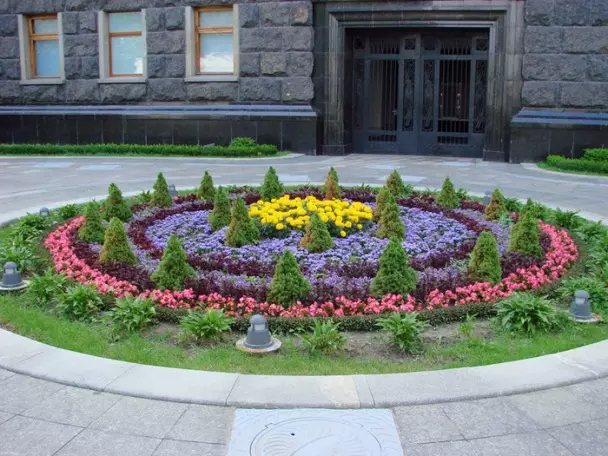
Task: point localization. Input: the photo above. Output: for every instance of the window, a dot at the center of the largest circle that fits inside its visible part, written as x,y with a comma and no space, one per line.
41,49
126,44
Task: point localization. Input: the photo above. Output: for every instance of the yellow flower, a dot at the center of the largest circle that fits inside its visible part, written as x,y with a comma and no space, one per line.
359,226
348,224
343,233
279,226
324,218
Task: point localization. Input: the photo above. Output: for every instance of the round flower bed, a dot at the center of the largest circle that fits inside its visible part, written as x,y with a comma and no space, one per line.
237,279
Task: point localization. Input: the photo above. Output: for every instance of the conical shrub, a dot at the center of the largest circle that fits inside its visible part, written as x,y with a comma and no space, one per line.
116,206
161,196
116,248
242,230
206,190
317,238
381,200
390,225
395,275
220,217
525,236
396,186
272,187
332,185
485,260
447,198
288,284
173,268
497,207
92,230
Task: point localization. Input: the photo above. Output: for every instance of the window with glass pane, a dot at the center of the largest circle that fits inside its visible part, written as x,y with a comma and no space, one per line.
215,40
44,47
126,44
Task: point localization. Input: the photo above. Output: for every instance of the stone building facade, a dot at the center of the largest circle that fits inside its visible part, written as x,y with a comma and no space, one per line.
506,80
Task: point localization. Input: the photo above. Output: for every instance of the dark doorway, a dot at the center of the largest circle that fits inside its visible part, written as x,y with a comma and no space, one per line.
418,92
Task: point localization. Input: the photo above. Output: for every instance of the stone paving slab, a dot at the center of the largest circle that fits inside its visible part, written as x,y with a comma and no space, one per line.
99,443
28,437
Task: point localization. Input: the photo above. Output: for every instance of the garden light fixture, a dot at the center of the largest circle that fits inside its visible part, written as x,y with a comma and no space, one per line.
172,191
581,309
258,338
487,198
44,212
11,278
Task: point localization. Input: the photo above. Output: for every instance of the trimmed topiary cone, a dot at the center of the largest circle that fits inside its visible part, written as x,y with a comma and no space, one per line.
395,275
173,268
525,236
242,230
447,197
116,206
206,190
92,230
161,196
485,260
272,187
497,207
317,238
220,217
288,284
116,248
395,184
381,200
332,185
390,225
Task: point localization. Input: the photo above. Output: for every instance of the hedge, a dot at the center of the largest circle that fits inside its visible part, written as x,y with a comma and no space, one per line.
265,150
570,164
600,155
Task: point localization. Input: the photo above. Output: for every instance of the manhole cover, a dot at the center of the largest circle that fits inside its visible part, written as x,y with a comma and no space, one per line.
314,433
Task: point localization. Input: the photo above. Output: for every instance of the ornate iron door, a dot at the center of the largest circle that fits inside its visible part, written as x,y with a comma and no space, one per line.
420,94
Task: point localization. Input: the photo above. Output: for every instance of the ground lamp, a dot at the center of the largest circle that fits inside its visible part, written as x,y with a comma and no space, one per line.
11,278
44,212
172,191
258,338
487,199
581,309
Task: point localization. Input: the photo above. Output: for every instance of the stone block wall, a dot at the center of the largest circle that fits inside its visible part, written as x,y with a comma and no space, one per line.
275,54
566,54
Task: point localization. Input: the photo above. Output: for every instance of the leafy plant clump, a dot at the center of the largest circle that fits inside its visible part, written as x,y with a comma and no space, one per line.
80,302
272,187
131,314
206,190
568,220
527,314
525,236
116,206
220,217
325,338
496,208
332,185
116,248
161,196
405,330
288,284
241,230
210,325
447,197
92,230
395,275
396,186
46,287
173,269
68,211
390,225
596,287
317,238
485,260
381,199
243,142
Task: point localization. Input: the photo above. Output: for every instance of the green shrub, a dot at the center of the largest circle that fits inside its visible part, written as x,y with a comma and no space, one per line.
404,329
92,230
496,208
206,190
525,236
288,284
116,206
210,325
22,254
68,211
390,225
220,217
131,314
161,196
116,248
80,302
381,200
317,238
572,164
395,275
33,222
513,205
243,142
485,260
592,231
241,230
332,185
463,194
144,197
527,314
536,210
599,155
568,220
396,186
46,287
597,289
447,197
272,187
326,338
173,268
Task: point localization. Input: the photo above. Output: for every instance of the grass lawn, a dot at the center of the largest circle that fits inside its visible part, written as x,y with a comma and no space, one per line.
546,166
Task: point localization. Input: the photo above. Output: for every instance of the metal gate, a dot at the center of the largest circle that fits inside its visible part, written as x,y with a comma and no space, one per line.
419,93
